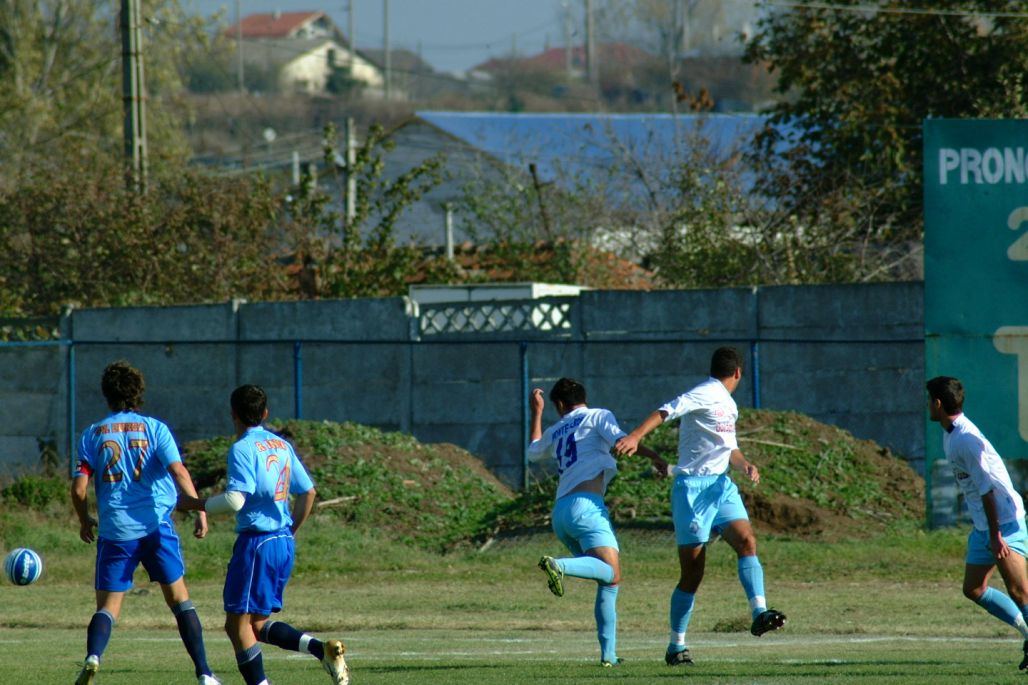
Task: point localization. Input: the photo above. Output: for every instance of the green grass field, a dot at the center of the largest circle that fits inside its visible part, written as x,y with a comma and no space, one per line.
886,610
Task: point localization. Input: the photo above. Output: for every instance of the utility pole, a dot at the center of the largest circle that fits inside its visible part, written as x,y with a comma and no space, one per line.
385,50
685,12
133,94
590,45
351,176
239,46
568,48
351,36
448,209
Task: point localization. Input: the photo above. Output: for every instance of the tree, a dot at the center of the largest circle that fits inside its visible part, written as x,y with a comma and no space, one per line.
358,256
60,78
843,148
73,237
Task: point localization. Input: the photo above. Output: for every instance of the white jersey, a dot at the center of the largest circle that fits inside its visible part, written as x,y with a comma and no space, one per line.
706,433
978,469
580,443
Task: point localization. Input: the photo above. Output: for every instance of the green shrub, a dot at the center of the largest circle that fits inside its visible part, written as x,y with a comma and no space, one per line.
36,492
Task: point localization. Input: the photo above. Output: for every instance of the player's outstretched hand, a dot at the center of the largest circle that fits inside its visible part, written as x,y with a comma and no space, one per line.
626,446
86,533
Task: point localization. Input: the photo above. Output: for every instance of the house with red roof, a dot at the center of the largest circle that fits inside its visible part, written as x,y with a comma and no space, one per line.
302,50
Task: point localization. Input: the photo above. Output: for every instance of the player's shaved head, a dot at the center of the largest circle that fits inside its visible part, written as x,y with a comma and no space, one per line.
949,391
122,386
724,362
568,392
249,402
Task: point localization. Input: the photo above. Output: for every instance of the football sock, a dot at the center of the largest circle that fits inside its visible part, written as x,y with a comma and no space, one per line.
1021,624
251,665
287,637
606,614
586,567
681,610
999,605
751,575
191,631
98,634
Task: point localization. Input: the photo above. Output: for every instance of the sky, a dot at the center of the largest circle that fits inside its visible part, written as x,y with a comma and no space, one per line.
454,35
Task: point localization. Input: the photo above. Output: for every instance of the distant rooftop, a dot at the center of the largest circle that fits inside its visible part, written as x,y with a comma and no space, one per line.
568,144
277,24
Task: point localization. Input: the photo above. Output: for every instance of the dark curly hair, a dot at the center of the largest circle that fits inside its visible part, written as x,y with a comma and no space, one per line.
248,403
123,386
568,391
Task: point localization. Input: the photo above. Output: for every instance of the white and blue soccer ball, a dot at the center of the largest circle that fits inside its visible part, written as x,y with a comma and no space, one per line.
23,566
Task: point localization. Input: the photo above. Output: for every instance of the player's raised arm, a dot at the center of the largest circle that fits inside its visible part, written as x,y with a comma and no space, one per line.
536,403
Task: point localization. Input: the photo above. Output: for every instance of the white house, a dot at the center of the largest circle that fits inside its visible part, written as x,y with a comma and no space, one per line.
302,49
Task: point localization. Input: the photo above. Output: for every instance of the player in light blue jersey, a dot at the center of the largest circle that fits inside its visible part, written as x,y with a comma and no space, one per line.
263,471
135,466
704,500
580,443
998,538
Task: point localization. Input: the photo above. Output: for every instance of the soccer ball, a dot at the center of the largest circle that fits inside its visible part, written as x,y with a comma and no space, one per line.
23,566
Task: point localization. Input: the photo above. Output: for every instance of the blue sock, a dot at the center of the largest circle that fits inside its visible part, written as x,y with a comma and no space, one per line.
98,634
681,611
586,567
751,575
999,605
251,665
191,631
606,614
287,637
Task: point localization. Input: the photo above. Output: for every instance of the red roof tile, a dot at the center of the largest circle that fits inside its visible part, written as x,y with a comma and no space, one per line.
272,24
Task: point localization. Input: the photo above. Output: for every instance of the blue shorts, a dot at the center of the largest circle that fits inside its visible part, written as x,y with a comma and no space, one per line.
258,572
581,522
160,553
979,553
702,503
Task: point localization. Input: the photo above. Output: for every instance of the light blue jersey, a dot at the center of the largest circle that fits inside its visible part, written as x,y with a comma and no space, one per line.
128,455
265,468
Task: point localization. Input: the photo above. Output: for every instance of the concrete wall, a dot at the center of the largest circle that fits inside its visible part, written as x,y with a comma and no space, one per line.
847,355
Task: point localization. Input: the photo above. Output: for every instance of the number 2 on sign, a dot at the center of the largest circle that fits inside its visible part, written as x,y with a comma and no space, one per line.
567,453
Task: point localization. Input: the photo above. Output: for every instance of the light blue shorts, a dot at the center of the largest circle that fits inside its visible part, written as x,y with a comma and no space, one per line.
159,552
979,553
581,522
702,503
258,572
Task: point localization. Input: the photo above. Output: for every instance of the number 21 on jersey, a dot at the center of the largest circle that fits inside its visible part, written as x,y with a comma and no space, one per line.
567,452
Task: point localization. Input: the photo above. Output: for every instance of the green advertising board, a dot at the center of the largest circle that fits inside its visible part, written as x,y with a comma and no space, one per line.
976,274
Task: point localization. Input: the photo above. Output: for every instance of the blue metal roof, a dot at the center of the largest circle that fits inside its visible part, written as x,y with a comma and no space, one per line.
564,145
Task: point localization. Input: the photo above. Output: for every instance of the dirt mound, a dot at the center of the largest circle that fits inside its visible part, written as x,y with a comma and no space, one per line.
817,480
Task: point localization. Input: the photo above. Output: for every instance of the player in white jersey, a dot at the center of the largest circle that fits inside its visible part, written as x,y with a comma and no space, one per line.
998,537
704,498
135,466
580,442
